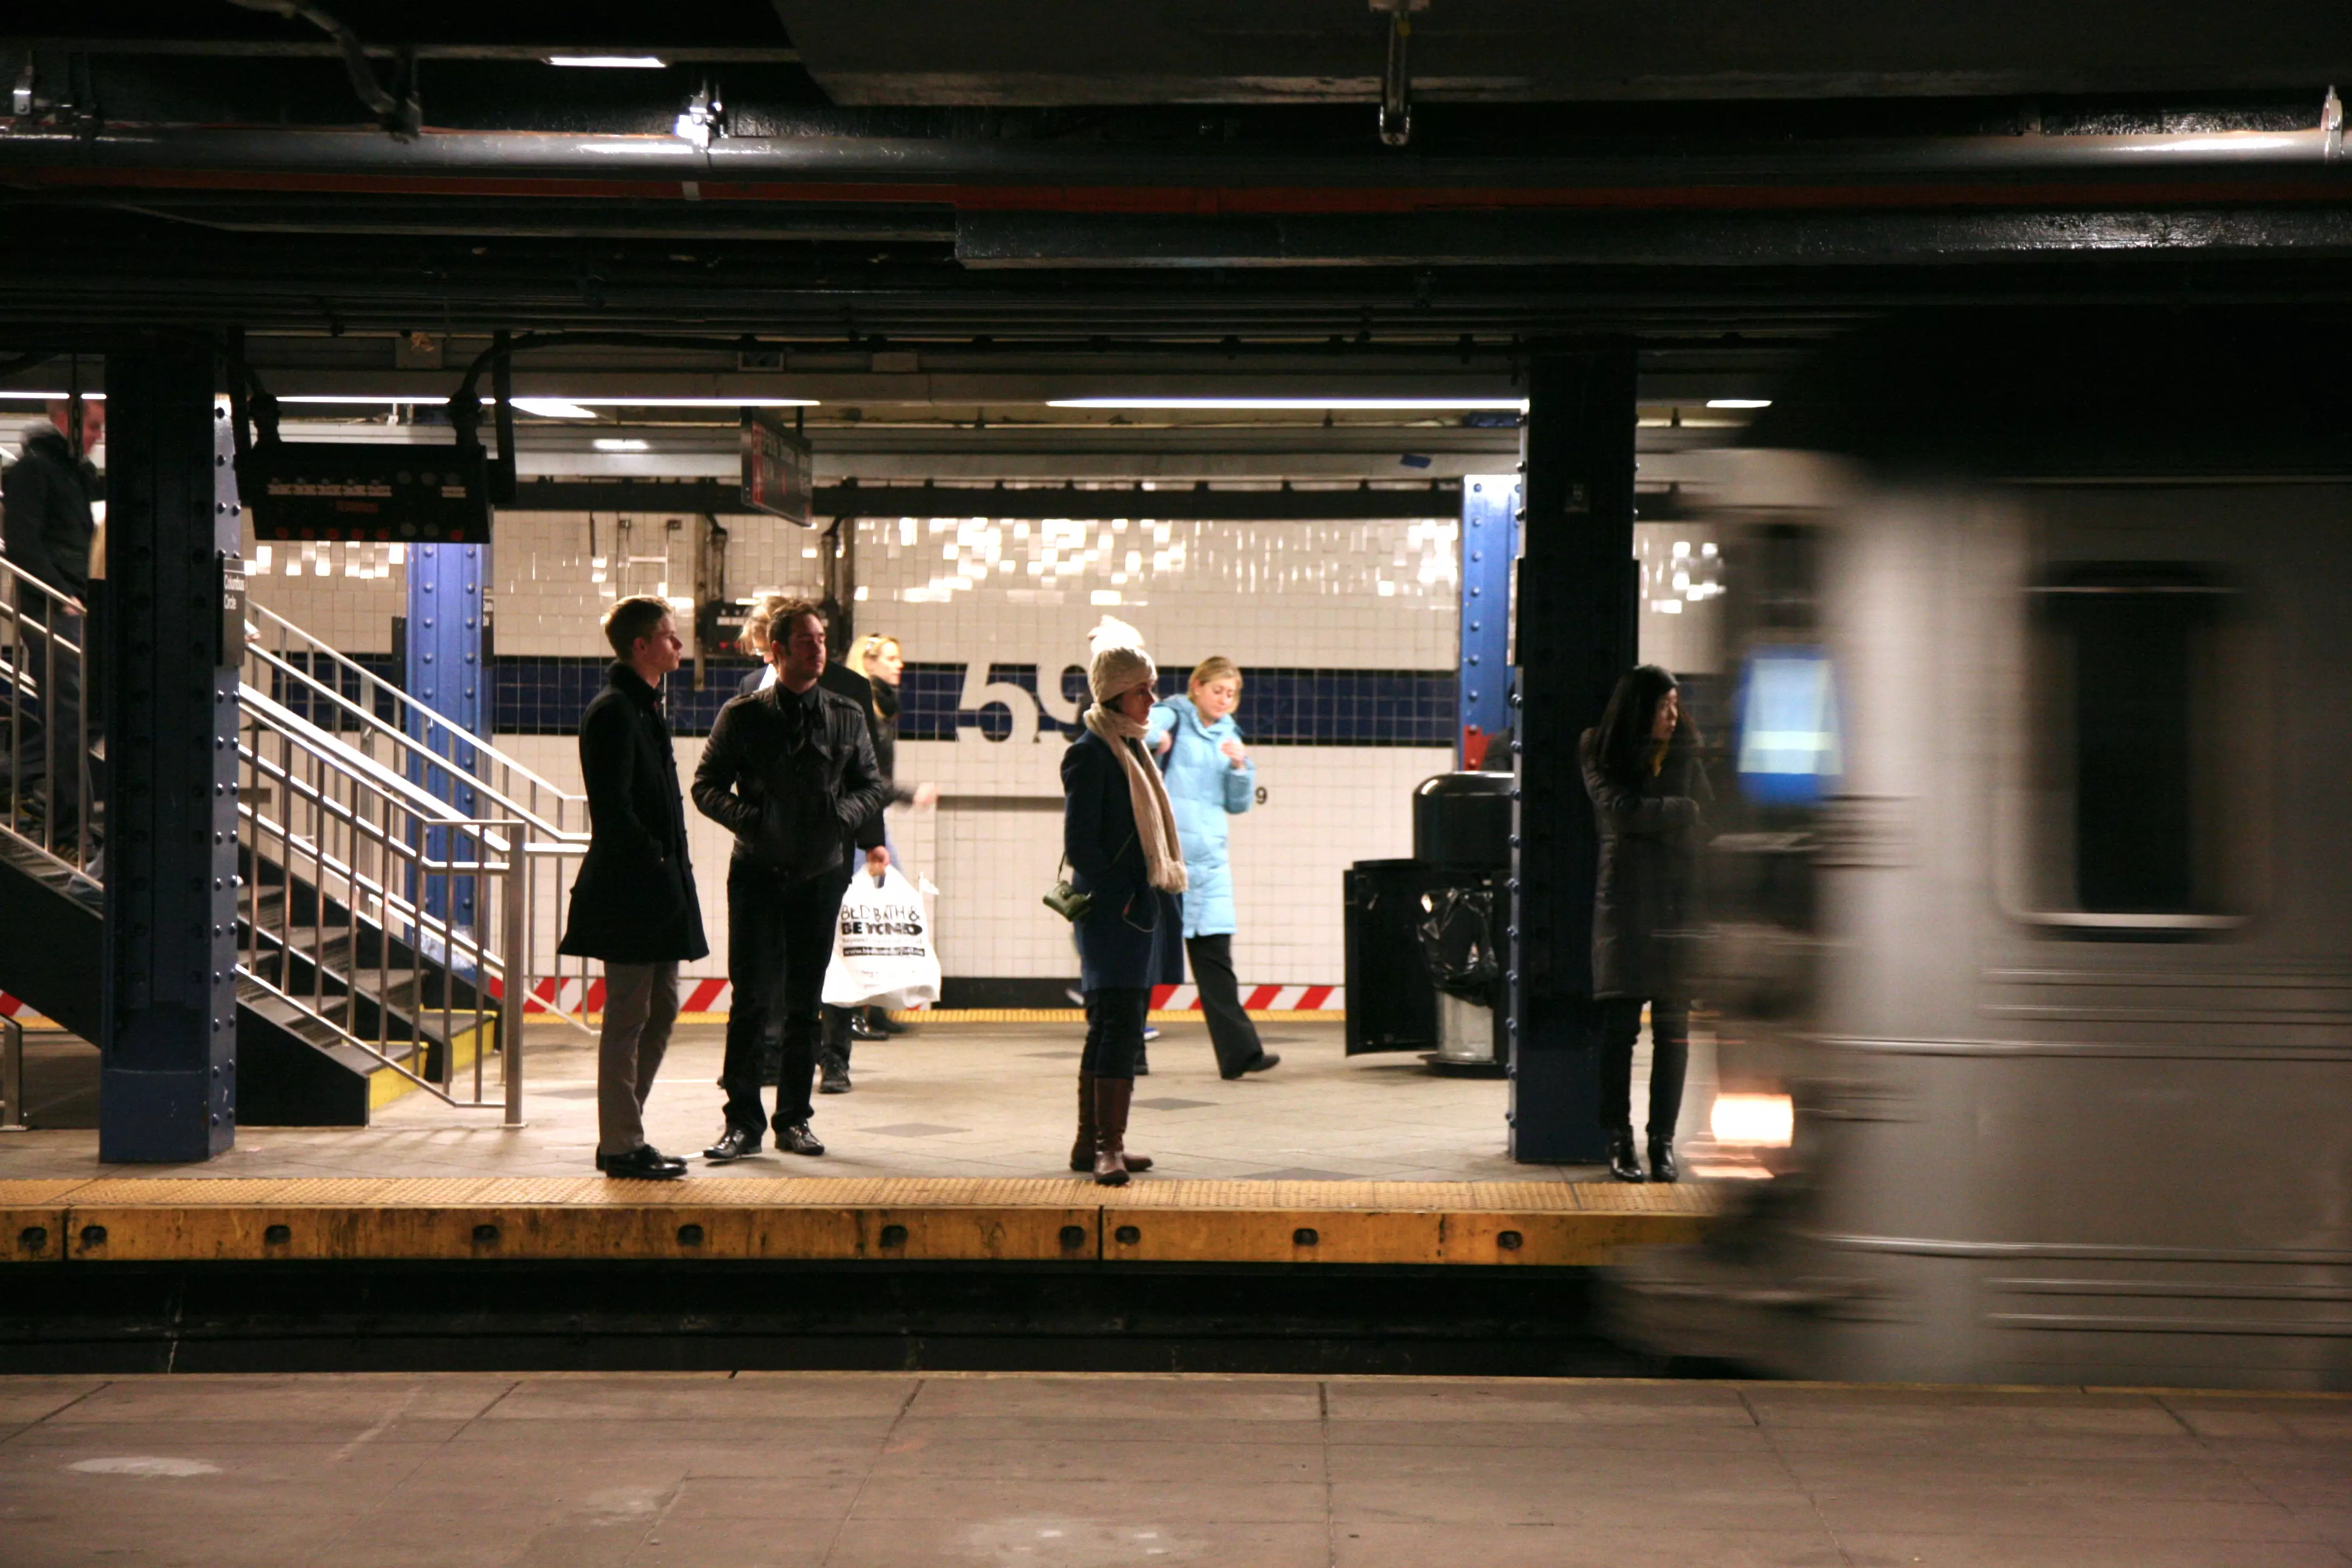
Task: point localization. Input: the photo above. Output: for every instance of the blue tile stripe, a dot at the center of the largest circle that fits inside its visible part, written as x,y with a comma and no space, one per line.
1280,706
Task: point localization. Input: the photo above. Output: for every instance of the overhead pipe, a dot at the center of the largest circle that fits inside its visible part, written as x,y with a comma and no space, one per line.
1020,176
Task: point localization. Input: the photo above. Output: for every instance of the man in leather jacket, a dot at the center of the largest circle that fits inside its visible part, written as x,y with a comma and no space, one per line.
790,772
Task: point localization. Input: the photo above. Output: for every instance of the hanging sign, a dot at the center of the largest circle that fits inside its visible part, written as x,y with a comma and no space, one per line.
361,490
776,470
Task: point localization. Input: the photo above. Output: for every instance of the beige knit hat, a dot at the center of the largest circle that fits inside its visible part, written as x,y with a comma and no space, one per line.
1120,669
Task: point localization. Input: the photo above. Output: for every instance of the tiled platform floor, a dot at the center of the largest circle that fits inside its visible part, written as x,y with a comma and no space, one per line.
879,1471
964,1099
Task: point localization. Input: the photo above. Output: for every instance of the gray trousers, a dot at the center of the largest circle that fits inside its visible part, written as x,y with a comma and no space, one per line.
640,1005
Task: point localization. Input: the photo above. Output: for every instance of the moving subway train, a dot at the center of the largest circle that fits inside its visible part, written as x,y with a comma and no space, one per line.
2035,894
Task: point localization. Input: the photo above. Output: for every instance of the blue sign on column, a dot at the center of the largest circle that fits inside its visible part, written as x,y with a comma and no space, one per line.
446,674
1490,540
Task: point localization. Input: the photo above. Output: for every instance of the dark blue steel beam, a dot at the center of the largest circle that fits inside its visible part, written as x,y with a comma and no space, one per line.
1490,536
168,1017
446,673
1575,610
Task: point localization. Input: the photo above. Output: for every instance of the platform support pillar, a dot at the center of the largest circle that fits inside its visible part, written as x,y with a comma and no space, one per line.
447,673
167,1086
1575,608
1490,540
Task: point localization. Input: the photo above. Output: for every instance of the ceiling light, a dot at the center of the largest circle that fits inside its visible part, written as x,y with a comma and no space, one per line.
424,400
609,62
1314,404
1739,403
553,408
621,444
59,396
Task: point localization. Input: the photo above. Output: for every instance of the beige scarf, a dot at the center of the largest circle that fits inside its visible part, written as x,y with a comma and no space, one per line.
1155,819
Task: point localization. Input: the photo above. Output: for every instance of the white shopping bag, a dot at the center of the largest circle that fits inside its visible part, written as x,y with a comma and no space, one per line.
882,953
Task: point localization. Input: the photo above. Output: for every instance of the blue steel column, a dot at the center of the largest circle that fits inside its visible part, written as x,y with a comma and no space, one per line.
167,1083
1577,599
1490,534
446,674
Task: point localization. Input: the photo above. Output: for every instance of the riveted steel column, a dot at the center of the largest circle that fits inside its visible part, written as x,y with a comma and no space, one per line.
447,585
167,1086
1575,627
1490,535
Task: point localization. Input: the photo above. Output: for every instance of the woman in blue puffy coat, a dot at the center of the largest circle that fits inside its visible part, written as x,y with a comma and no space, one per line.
1210,777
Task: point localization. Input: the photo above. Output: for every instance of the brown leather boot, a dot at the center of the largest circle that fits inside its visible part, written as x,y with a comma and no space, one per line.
1111,1098
1081,1153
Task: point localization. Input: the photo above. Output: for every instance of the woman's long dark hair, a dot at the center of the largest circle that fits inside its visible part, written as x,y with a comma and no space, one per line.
1621,742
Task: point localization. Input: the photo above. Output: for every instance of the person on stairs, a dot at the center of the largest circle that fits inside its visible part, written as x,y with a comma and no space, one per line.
1649,790
1120,834
634,903
1210,778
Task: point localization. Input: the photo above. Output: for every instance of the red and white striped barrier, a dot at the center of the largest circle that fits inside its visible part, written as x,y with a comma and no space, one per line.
711,998
11,1008
1256,998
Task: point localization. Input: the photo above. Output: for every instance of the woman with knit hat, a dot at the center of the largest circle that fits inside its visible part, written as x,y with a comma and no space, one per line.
1120,834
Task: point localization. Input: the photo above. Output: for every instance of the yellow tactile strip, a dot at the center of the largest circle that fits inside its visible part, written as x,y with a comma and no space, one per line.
242,1218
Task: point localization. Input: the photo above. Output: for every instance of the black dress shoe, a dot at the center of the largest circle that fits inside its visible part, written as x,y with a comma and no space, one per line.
1623,1164
1661,1160
735,1144
643,1164
862,1028
835,1079
1265,1060
797,1139
883,1023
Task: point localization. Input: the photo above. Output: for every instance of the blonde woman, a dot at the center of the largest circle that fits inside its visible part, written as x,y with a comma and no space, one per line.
1210,778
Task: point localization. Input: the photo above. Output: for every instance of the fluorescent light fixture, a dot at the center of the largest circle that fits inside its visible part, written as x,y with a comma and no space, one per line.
1739,403
59,396
1375,405
553,408
421,401
621,444
609,62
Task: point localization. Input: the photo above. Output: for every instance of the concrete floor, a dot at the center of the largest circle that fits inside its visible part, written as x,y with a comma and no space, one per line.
946,1100
885,1469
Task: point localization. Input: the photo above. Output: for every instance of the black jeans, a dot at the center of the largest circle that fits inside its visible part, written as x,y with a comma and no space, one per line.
1231,1033
779,941
1115,1018
1620,1022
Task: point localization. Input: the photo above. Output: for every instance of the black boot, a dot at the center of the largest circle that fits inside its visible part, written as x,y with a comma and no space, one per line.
1662,1159
1623,1164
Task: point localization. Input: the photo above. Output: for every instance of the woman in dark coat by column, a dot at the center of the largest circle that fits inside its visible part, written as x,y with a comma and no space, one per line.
1642,770
1120,834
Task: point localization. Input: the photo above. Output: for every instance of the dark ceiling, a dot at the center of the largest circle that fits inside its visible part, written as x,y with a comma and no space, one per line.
1101,172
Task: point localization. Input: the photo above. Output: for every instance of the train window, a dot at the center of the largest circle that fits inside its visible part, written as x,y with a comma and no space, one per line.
2137,748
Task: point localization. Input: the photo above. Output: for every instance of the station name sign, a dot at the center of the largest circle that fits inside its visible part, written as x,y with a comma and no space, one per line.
361,490
777,473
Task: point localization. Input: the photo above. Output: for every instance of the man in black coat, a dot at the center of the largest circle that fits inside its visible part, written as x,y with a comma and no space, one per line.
48,523
790,772
865,840
634,904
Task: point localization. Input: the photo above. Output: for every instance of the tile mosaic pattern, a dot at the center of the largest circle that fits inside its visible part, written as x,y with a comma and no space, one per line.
1279,706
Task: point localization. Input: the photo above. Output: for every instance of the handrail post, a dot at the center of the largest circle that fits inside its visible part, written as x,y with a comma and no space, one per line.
514,935
12,1076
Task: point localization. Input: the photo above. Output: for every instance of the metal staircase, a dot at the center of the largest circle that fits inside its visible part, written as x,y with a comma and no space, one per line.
390,868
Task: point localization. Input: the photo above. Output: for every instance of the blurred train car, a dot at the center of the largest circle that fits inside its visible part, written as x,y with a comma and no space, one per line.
2035,894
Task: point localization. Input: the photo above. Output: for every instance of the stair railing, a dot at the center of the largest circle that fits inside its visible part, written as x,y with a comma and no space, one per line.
48,778
325,687
380,913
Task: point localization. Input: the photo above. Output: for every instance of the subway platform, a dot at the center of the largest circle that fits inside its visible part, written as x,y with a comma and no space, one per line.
877,1471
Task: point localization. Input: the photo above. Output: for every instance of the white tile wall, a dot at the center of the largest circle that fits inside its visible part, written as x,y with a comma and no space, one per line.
1343,595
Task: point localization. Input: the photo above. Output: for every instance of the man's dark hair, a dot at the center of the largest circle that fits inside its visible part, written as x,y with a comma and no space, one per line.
779,626
635,616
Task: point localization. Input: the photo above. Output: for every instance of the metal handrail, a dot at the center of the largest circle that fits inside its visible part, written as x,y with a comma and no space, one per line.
42,662
367,839
439,750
